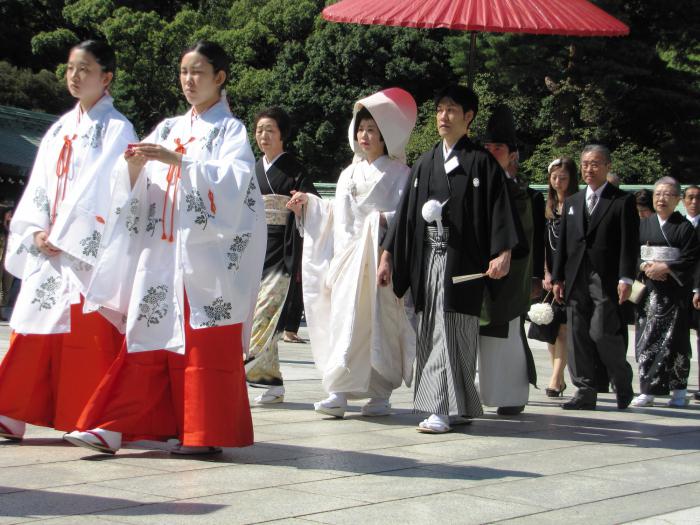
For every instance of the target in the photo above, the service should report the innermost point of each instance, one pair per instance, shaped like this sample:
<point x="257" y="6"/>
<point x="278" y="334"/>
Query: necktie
<point x="592" y="199"/>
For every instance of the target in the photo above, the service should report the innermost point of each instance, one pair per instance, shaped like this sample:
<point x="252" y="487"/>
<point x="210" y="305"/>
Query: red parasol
<point x="548" y="17"/>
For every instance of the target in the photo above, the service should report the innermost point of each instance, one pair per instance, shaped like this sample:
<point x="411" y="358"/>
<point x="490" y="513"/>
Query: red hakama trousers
<point x="200" y="397"/>
<point x="46" y="380"/>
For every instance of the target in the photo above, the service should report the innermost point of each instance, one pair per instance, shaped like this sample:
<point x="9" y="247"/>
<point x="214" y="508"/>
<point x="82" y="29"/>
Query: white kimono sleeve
<point x="32" y="215"/>
<point x="222" y="224"/>
<point x="113" y="272"/>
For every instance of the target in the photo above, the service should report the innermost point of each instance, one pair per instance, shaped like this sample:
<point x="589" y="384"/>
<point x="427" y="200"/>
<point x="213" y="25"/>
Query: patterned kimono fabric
<point x="263" y="366"/>
<point x="662" y="345"/>
<point x="195" y="247"/>
<point x="58" y="354"/>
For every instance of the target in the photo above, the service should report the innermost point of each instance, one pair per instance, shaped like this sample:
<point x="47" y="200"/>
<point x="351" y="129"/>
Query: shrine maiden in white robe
<point x="202" y="235"/>
<point x="362" y="341"/>
<point x="83" y="147"/>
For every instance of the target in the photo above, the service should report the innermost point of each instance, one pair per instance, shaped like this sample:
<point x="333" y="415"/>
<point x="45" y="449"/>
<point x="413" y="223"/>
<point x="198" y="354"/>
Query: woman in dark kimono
<point x="279" y="175"/>
<point x="669" y="256"/>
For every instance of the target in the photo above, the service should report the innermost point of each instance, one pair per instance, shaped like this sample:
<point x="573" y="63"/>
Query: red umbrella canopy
<point x="549" y="17"/>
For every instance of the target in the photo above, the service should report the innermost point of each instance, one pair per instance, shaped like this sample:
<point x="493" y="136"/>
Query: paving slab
<point x="544" y="466"/>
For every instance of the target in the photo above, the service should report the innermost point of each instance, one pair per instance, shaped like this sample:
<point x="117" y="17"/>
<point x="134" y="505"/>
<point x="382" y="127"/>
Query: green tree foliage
<point x="639" y="94"/>
<point x="37" y="91"/>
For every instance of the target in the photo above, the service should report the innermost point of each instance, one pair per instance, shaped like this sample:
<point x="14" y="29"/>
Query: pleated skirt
<point x="446" y="346"/>
<point x="200" y="398"/>
<point x="46" y="380"/>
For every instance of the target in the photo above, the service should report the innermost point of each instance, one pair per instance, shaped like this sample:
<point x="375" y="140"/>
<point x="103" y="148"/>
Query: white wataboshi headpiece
<point x="395" y="112"/>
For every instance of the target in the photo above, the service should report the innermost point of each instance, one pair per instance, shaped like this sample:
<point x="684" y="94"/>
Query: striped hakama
<point x="446" y="346"/>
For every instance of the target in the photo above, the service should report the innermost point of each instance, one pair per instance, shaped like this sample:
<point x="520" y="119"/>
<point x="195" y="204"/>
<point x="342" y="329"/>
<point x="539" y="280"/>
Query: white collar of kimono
<point x="395" y="112"/>
<point x="214" y="113"/>
<point x="104" y="104"/>
<point x="447" y="150"/>
<point x="661" y="221"/>
<point x="379" y="163"/>
<point x="267" y="164"/>
<point x="694" y="220"/>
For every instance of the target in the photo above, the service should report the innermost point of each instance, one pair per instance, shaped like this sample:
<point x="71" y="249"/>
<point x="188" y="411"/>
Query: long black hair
<point x="103" y="53"/>
<point x="214" y="54"/>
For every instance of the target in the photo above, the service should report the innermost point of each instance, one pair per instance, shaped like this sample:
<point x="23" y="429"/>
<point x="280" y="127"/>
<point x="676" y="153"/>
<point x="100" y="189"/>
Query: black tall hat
<point x="501" y="127"/>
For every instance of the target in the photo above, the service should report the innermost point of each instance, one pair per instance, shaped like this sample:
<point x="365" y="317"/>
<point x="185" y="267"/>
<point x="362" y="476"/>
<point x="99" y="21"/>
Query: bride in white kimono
<point x="185" y="247"/>
<point x="362" y="341"/>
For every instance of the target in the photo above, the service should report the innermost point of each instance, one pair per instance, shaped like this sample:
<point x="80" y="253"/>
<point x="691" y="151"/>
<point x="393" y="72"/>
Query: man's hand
<point x="623" y="292"/>
<point x="45" y="247"/>
<point x="696" y="301"/>
<point x="499" y="266"/>
<point x="384" y="270"/>
<point x="558" y="289"/>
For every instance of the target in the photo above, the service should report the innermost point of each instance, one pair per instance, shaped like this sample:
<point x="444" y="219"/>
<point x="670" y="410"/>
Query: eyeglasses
<point x="692" y="197"/>
<point x="593" y="164"/>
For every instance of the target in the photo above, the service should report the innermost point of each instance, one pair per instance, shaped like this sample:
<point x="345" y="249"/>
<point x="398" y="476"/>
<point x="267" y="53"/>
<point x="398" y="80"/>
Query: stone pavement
<point x="544" y="466"/>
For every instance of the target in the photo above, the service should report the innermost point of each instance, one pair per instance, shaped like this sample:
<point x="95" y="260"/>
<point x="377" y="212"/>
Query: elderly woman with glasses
<point x="668" y="257"/>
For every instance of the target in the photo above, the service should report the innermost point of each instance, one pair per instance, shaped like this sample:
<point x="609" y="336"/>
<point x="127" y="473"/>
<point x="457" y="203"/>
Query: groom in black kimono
<point x="480" y="232"/>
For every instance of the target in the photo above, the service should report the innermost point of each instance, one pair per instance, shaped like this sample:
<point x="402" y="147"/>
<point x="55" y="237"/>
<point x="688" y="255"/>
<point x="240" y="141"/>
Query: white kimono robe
<point x="218" y="235"/>
<point x="362" y="341"/>
<point x="51" y="284"/>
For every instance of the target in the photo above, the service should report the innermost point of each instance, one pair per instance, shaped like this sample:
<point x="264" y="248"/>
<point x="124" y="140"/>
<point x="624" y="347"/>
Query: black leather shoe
<point x="624" y="400"/>
<point x="578" y="403"/>
<point x="510" y="411"/>
<point x="696" y="396"/>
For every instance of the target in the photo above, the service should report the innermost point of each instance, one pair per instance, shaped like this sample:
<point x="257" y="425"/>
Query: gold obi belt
<point x="276" y="212"/>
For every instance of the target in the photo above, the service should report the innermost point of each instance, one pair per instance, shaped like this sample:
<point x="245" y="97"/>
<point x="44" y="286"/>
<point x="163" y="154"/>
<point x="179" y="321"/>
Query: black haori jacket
<point x="480" y="218"/>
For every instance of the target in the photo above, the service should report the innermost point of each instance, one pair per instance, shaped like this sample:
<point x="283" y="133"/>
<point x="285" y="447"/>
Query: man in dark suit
<point x="691" y="201"/>
<point x="594" y="270"/>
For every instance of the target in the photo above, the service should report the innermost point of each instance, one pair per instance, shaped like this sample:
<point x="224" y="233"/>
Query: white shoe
<point x="376" y="407"/>
<point x="435" y="424"/>
<point x="334" y="405"/>
<point x="12" y="429"/>
<point x="678" y="402"/>
<point x="273" y="395"/>
<point x="97" y="439"/>
<point x="194" y="451"/>
<point x="643" y="400"/>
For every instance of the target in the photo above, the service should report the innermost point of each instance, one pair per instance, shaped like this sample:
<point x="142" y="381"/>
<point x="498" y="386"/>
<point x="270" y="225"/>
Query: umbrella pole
<point x="472" y="58"/>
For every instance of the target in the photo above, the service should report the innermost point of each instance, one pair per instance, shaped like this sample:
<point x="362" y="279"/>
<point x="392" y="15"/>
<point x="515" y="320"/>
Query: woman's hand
<point x="135" y="163"/>
<point x="45" y="247"/>
<point x="156" y="152"/>
<point x="547" y="281"/>
<point x="297" y="202"/>
<point x="384" y="270"/>
<point x="696" y="301"/>
<point x="657" y="271"/>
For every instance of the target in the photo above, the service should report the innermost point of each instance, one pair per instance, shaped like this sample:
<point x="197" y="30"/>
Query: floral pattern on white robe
<point x="51" y="284"/>
<point x="357" y="329"/>
<point x="218" y="236"/>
